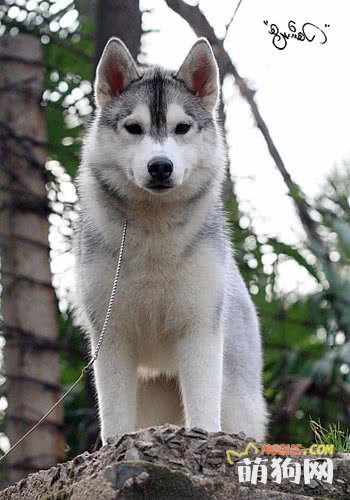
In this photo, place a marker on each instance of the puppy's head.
(155, 132)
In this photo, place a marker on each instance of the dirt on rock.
(172, 463)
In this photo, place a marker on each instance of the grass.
(332, 434)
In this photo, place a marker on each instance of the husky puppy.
(183, 343)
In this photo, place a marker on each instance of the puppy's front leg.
(116, 383)
(199, 361)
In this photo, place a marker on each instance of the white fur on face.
(140, 115)
(176, 115)
(175, 148)
(181, 157)
(132, 153)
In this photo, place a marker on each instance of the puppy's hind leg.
(159, 402)
(243, 409)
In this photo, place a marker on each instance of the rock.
(170, 463)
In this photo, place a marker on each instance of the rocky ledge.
(172, 463)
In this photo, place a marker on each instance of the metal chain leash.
(111, 300)
(93, 357)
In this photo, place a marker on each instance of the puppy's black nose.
(160, 168)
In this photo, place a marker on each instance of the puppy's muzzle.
(160, 170)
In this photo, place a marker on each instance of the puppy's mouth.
(159, 186)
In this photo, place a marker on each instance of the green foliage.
(81, 425)
(332, 434)
(306, 336)
(68, 99)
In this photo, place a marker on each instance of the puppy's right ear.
(115, 70)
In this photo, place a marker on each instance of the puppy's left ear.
(114, 72)
(200, 73)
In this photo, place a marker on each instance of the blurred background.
(285, 116)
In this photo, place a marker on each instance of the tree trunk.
(28, 299)
(121, 18)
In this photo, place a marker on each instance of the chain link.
(111, 300)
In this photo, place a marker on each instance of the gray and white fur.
(183, 344)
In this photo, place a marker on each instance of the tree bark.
(121, 18)
(28, 299)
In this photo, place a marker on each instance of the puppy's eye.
(182, 128)
(134, 128)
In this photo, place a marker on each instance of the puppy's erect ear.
(114, 71)
(200, 73)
